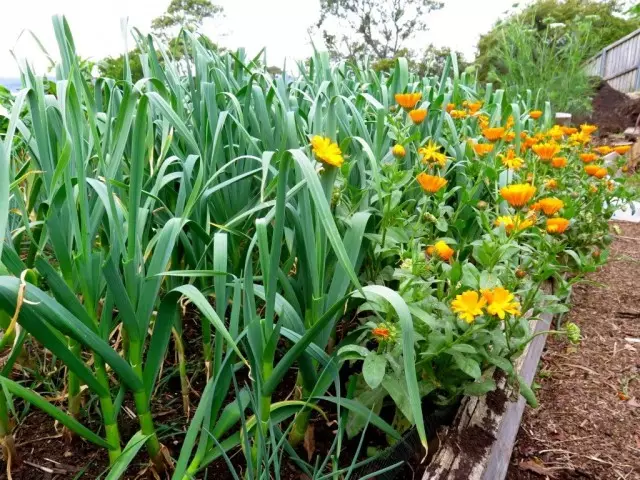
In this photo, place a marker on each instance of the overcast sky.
(279, 25)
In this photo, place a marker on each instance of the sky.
(279, 25)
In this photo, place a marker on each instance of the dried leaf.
(310, 442)
(535, 467)
(633, 403)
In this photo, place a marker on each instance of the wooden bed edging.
(478, 445)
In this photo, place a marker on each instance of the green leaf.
(373, 369)
(477, 389)
(129, 453)
(467, 365)
(527, 392)
(463, 348)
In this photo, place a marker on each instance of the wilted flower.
(517, 195)
(408, 100)
(431, 183)
(327, 151)
(468, 305)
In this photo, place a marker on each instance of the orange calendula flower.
(381, 333)
(431, 183)
(398, 151)
(450, 107)
(588, 129)
(579, 138)
(535, 114)
(493, 134)
(510, 160)
(458, 114)
(546, 151)
(500, 301)
(556, 132)
(431, 154)
(327, 151)
(622, 149)
(418, 116)
(473, 107)
(408, 100)
(551, 184)
(510, 122)
(468, 305)
(588, 157)
(515, 222)
(509, 136)
(604, 149)
(591, 170)
(441, 250)
(569, 130)
(482, 149)
(557, 225)
(483, 121)
(601, 173)
(559, 162)
(549, 206)
(519, 194)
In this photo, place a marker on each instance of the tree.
(184, 14)
(427, 63)
(379, 28)
(609, 24)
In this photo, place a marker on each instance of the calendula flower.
(593, 189)
(381, 333)
(530, 142)
(458, 114)
(546, 151)
(556, 132)
(473, 107)
(441, 250)
(591, 170)
(511, 161)
(408, 100)
(622, 149)
(559, 162)
(398, 151)
(588, 129)
(482, 148)
(535, 114)
(493, 134)
(327, 151)
(579, 138)
(431, 154)
(549, 206)
(431, 183)
(509, 136)
(569, 130)
(450, 107)
(418, 116)
(510, 122)
(519, 194)
(551, 184)
(588, 157)
(500, 301)
(601, 173)
(514, 222)
(468, 305)
(604, 149)
(483, 121)
(557, 225)
(611, 185)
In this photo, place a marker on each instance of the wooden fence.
(619, 63)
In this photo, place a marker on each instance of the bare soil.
(588, 423)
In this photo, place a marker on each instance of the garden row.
(373, 238)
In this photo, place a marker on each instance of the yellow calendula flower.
(408, 100)
(458, 114)
(418, 116)
(515, 222)
(398, 151)
(556, 132)
(509, 136)
(468, 305)
(483, 121)
(441, 250)
(431, 183)
(431, 154)
(493, 134)
(482, 149)
(327, 151)
(559, 162)
(557, 225)
(579, 138)
(535, 114)
(604, 149)
(588, 129)
(550, 205)
(519, 194)
(510, 160)
(500, 302)
(546, 151)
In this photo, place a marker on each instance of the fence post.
(603, 62)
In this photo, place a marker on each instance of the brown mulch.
(588, 423)
(613, 111)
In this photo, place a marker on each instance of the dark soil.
(613, 111)
(588, 423)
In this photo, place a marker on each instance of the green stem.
(112, 433)
(6, 437)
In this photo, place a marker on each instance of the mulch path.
(588, 423)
